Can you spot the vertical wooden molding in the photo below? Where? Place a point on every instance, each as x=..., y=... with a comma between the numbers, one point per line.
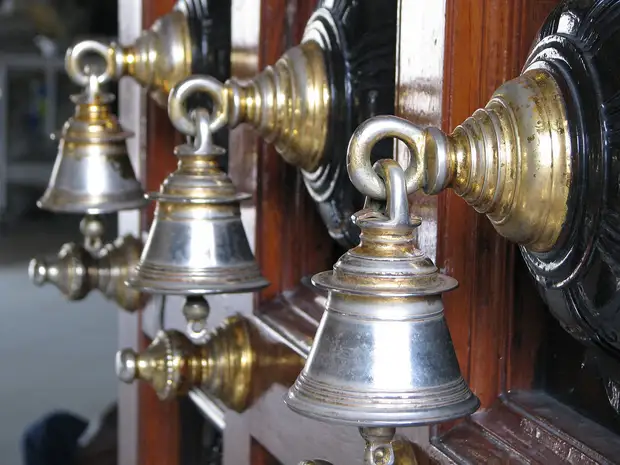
x=281, y=193
x=159, y=425
x=130, y=108
x=486, y=45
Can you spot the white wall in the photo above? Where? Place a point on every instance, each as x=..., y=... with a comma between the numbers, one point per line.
x=54, y=354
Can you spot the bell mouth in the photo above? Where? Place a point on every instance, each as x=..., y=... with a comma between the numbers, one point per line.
x=67, y=203
x=188, y=286
x=371, y=409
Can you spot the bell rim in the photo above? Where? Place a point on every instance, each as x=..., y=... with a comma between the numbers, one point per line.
x=171, y=198
x=325, y=280
x=351, y=416
x=103, y=208
x=155, y=287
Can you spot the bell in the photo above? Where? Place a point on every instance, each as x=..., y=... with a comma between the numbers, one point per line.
x=383, y=355
x=197, y=243
x=92, y=173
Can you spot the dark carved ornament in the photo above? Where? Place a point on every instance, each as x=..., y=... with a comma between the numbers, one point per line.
x=359, y=38
x=580, y=277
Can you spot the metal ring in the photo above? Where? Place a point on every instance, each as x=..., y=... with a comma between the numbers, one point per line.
x=177, y=111
x=397, y=204
x=371, y=131
x=74, y=57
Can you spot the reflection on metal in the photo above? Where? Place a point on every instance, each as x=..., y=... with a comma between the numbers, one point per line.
x=383, y=354
x=197, y=244
x=229, y=366
x=79, y=269
x=510, y=160
x=92, y=173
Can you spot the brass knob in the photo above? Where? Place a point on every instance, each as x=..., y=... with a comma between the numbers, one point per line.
x=224, y=366
x=76, y=272
x=169, y=364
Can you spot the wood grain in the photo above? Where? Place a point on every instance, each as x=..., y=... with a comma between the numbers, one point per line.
x=486, y=44
x=291, y=238
x=158, y=426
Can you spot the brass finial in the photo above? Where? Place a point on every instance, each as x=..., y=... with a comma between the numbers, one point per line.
x=228, y=366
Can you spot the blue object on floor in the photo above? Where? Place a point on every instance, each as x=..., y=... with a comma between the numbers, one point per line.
x=53, y=440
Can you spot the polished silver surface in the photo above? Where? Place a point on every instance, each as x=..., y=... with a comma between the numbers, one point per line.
x=92, y=172
x=197, y=243
x=383, y=355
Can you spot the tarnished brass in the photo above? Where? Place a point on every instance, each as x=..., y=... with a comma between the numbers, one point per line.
x=159, y=58
x=511, y=160
x=288, y=104
x=226, y=366
x=79, y=269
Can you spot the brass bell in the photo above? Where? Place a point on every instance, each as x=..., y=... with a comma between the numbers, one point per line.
x=197, y=244
x=79, y=269
x=92, y=172
x=228, y=366
x=383, y=355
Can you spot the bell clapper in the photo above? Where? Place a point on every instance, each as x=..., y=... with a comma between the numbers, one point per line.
x=196, y=312
x=92, y=228
x=379, y=449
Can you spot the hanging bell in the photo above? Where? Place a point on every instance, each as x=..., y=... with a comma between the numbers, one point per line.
x=197, y=243
x=92, y=173
x=383, y=355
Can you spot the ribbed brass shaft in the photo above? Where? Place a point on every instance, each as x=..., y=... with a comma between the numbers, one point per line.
x=512, y=160
x=288, y=104
x=160, y=57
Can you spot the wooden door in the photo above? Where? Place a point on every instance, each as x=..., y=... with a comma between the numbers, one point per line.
x=451, y=56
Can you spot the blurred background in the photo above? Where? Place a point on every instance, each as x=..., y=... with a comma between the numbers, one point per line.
x=55, y=355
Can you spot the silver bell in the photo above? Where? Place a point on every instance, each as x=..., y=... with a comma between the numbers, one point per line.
x=197, y=243
x=92, y=172
x=383, y=355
